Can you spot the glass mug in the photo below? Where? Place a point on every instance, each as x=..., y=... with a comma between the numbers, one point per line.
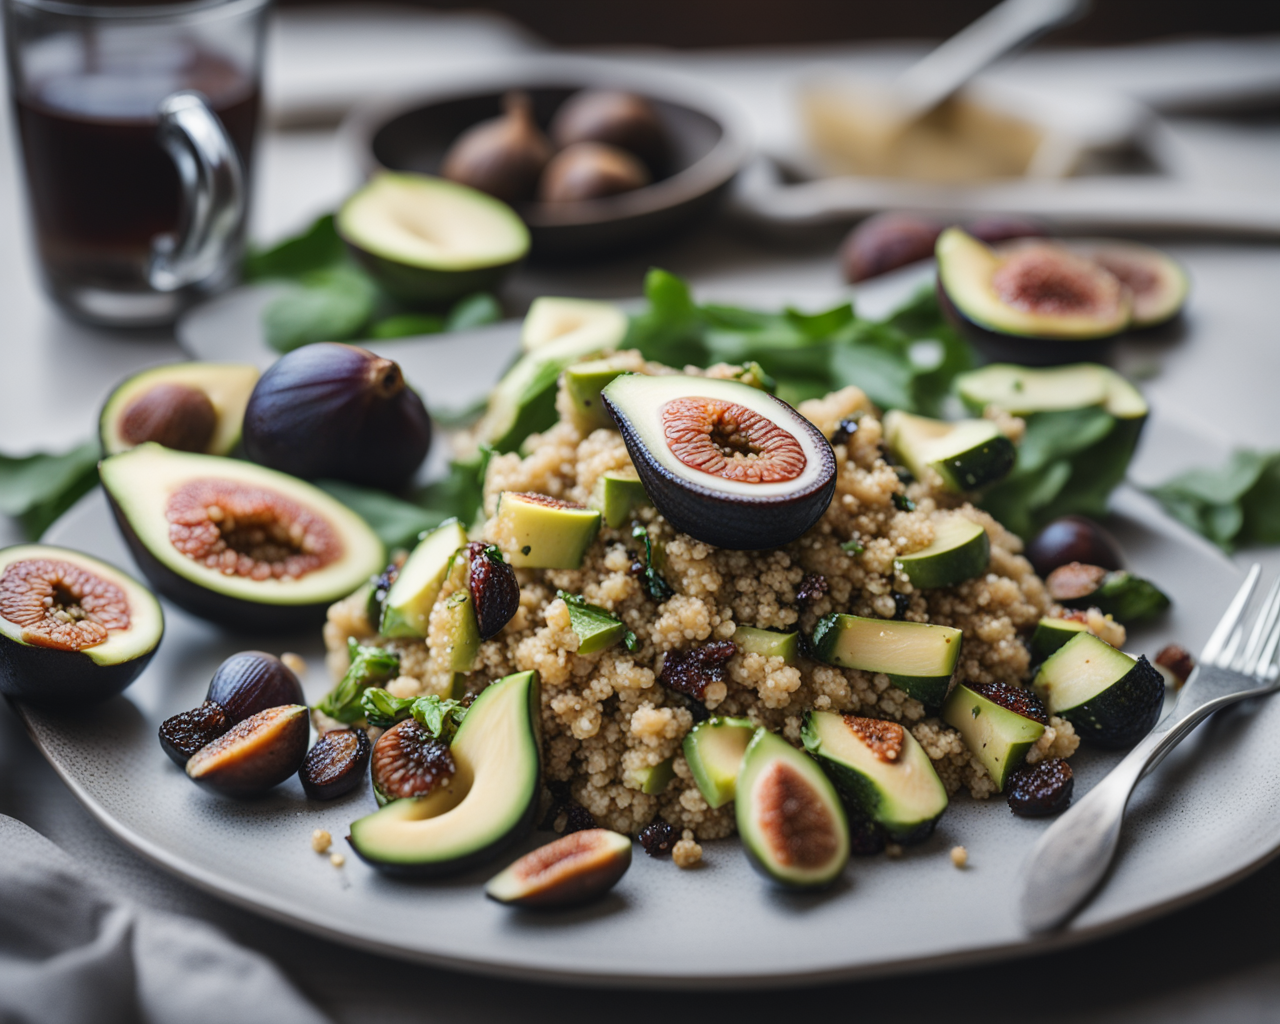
x=136, y=125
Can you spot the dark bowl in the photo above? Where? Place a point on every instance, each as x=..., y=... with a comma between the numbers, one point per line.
x=707, y=148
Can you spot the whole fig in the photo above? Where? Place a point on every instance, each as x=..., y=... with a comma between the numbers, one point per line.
x=502, y=156
x=619, y=119
x=338, y=412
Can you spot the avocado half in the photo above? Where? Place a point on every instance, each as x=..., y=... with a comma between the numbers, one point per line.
x=132, y=413
x=31, y=669
x=724, y=462
x=490, y=803
x=1032, y=303
x=162, y=498
x=428, y=240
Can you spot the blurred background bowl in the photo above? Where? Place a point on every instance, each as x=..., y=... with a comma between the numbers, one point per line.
x=707, y=148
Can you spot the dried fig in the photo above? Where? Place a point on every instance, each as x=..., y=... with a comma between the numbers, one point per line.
x=336, y=764
x=564, y=873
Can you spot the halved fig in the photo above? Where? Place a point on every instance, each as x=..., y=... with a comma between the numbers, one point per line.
x=570, y=871
x=1030, y=302
x=184, y=734
x=239, y=544
x=408, y=761
x=886, y=242
x=254, y=755
x=72, y=629
x=1158, y=282
x=1042, y=789
x=336, y=764
x=724, y=462
x=253, y=681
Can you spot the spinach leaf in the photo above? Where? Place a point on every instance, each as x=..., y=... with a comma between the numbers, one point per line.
x=1233, y=505
x=37, y=489
x=473, y=311
x=440, y=716
x=316, y=248
x=331, y=305
x=369, y=665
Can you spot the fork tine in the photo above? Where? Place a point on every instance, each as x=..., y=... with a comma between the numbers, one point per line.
x=1266, y=667
x=1247, y=661
x=1231, y=617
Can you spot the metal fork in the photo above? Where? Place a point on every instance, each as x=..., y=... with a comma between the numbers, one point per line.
x=1071, y=858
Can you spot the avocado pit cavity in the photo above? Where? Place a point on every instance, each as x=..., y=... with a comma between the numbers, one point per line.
x=730, y=441
x=60, y=605
x=249, y=531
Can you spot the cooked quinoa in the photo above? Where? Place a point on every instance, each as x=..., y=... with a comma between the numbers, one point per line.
x=606, y=717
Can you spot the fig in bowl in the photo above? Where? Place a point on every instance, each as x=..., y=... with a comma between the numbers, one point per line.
x=338, y=412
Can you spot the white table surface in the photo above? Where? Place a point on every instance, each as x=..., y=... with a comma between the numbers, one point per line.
x=1218, y=961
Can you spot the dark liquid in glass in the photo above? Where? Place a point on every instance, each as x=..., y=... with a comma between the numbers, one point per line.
x=102, y=187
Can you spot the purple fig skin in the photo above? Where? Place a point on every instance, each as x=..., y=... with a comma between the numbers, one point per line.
x=253, y=681
x=337, y=412
x=254, y=755
x=1073, y=539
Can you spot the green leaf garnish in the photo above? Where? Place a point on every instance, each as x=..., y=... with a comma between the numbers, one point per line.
x=369, y=666
x=657, y=588
x=332, y=304
x=440, y=716
x=316, y=248
x=1234, y=505
x=37, y=489
x=855, y=547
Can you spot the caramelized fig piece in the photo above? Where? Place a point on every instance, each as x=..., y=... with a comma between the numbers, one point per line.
x=691, y=672
x=590, y=170
x=1039, y=790
x=253, y=681
x=1018, y=699
x=1073, y=581
x=494, y=589
x=409, y=761
x=564, y=873
x=658, y=838
x=184, y=734
x=502, y=156
x=255, y=755
x=174, y=415
x=619, y=119
x=336, y=764
x=1178, y=660
x=886, y=242
x=1073, y=539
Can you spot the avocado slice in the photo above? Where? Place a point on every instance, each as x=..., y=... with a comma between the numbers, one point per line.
x=490, y=803
x=998, y=736
x=967, y=455
x=881, y=772
x=918, y=657
x=164, y=403
x=162, y=498
x=1112, y=699
x=428, y=240
x=790, y=819
x=714, y=749
x=769, y=643
x=654, y=779
x=1030, y=301
x=407, y=606
x=776, y=483
x=1050, y=634
x=551, y=318
x=87, y=666
x=538, y=532
x=616, y=494
x=584, y=382
x=1025, y=390
x=960, y=551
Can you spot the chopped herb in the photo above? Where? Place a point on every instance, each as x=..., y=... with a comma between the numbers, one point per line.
x=596, y=628
x=902, y=503
x=658, y=588
x=855, y=547
x=369, y=666
x=440, y=716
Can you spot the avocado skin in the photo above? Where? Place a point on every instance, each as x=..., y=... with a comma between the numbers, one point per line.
x=737, y=524
x=42, y=675
x=230, y=612
x=1124, y=712
x=999, y=347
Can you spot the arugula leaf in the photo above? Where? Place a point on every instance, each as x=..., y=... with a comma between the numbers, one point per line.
x=332, y=305
x=1233, y=505
x=369, y=665
x=439, y=716
x=318, y=247
x=473, y=311
x=36, y=489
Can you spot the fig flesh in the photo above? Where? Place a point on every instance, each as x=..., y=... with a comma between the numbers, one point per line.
x=253, y=681
x=184, y=734
x=590, y=170
x=620, y=119
x=571, y=871
x=502, y=156
x=255, y=755
x=1158, y=283
x=408, y=761
x=335, y=765
x=339, y=412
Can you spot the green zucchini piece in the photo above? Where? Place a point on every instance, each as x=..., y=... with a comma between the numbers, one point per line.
x=408, y=603
x=538, y=532
x=1052, y=633
x=881, y=773
x=918, y=657
x=1024, y=390
x=654, y=779
x=714, y=750
x=997, y=736
x=1125, y=597
x=616, y=494
x=960, y=551
x=768, y=643
x=583, y=382
x=967, y=455
x=1110, y=698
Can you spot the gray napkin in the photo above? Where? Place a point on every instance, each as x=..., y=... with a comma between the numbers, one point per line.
x=71, y=954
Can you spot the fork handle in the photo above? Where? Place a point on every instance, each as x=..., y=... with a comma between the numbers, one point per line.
x=1073, y=855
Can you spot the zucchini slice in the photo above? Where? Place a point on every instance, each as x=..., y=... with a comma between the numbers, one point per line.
x=997, y=736
x=408, y=603
x=1023, y=390
x=1051, y=634
x=918, y=657
x=714, y=750
x=960, y=551
x=766, y=642
x=967, y=455
x=1111, y=699
x=881, y=773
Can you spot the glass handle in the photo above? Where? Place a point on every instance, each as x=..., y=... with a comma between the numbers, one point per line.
x=213, y=196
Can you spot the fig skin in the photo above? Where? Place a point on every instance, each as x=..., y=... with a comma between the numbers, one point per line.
x=1005, y=227
x=502, y=156
x=254, y=756
x=886, y=242
x=338, y=412
x=184, y=734
x=568, y=872
x=336, y=764
x=620, y=119
x=494, y=589
x=174, y=415
x=253, y=681
x=590, y=170
x=1073, y=539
